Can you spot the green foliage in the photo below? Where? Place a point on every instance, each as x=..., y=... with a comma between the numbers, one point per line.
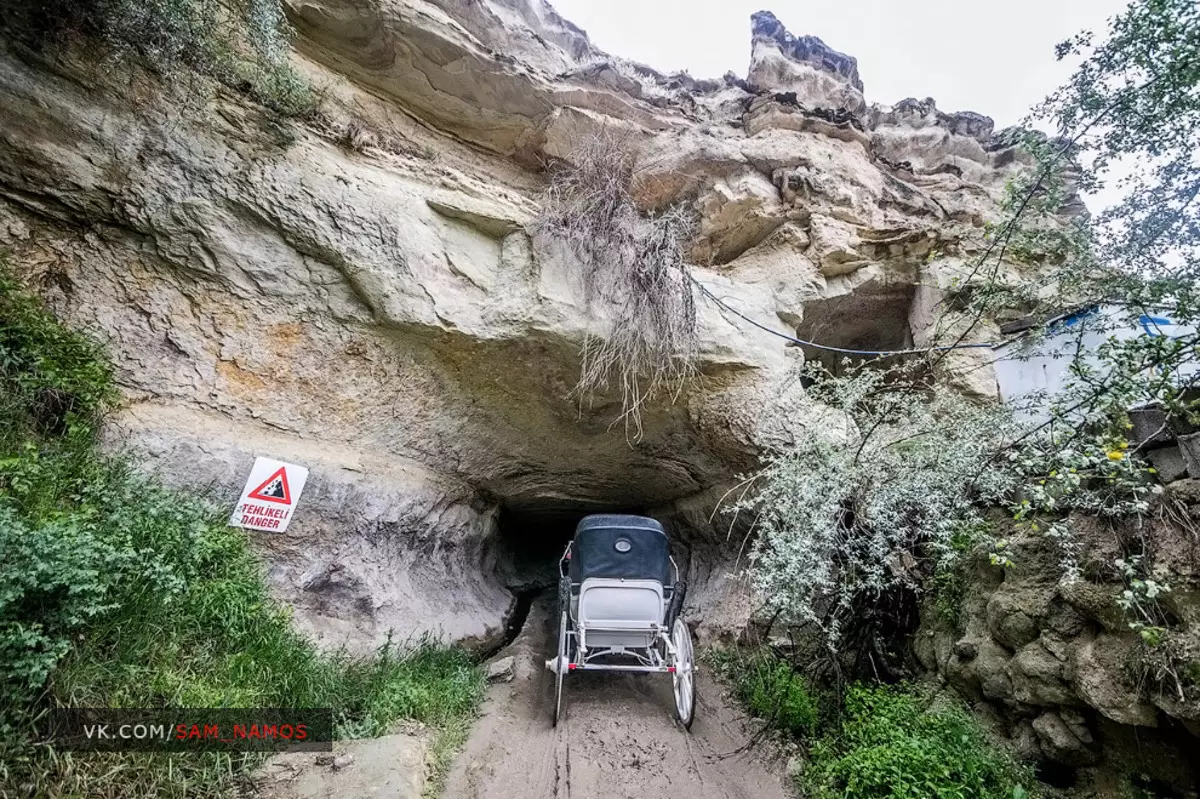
x=855, y=518
x=1132, y=109
x=950, y=590
x=54, y=382
x=1079, y=459
x=1191, y=672
x=951, y=576
x=1140, y=599
x=243, y=43
x=894, y=744
x=429, y=683
x=885, y=742
x=1128, y=120
x=115, y=591
x=770, y=689
x=426, y=682
x=852, y=518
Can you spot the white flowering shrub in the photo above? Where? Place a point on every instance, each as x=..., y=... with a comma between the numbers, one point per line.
x=857, y=519
x=853, y=522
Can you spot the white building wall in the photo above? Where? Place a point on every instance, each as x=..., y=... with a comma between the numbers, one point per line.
x=1025, y=369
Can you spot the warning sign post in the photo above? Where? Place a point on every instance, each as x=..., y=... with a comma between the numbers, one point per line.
x=271, y=493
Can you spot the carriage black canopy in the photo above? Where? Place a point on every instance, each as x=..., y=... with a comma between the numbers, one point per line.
x=617, y=545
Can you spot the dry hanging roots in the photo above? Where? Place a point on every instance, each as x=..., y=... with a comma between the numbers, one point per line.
x=634, y=272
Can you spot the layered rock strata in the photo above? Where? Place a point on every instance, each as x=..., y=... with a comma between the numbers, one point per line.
x=358, y=292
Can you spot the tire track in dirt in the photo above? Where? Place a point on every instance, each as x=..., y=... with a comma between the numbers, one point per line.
x=618, y=739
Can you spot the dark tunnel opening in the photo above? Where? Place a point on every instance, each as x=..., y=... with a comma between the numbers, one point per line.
x=530, y=541
x=1056, y=775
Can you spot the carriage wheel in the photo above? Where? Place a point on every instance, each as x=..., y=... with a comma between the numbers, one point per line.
x=560, y=666
x=685, y=674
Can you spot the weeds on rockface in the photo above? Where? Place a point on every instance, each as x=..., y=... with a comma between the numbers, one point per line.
x=1168, y=658
x=951, y=580
x=243, y=43
x=634, y=273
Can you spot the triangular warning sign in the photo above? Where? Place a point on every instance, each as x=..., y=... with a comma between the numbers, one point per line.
x=274, y=489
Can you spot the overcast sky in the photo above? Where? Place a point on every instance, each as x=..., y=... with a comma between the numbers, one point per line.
x=993, y=58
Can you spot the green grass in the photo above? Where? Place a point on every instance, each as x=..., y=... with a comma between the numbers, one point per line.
x=117, y=592
x=770, y=689
x=877, y=742
x=446, y=745
x=893, y=743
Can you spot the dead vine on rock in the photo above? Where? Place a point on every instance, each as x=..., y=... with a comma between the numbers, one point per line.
x=634, y=275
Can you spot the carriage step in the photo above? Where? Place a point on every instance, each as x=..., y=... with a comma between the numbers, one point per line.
x=553, y=663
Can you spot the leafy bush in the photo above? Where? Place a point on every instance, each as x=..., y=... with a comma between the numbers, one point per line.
x=894, y=744
x=243, y=43
x=891, y=487
x=770, y=689
x=851, y=518
x=54, y=382
x=117, y=592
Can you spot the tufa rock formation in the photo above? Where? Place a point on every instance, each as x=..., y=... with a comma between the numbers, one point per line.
x=1057, y=668
x=358, y=292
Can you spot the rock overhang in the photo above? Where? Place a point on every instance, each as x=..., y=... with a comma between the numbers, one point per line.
x=389, y=301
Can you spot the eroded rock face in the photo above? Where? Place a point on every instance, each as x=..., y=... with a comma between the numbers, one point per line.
x=1058, y=668
x=804, y=66
x=358, y=292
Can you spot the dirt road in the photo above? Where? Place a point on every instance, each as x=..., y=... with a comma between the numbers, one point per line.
x=619, y=738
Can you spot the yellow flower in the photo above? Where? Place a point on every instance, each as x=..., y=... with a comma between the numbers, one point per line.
x=1116, y=455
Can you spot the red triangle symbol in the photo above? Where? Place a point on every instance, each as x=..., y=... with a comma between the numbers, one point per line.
x=274, y=489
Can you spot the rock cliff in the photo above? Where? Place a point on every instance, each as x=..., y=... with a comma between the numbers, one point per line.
x=358, y=292
x=1057, y=668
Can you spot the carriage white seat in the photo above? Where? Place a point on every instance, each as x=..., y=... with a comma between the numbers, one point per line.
x=619, y=602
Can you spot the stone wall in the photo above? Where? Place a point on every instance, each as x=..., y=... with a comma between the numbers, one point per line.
x=1057, y=669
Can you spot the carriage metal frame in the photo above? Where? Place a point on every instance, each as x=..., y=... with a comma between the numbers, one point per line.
x=619, y=602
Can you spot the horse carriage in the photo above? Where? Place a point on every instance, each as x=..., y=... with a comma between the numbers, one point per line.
x=619, y=602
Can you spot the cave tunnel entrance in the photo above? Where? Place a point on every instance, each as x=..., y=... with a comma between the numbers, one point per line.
x=531, y=533
x=530, y=539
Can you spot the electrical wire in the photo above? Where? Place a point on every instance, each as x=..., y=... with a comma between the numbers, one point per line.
x=878, y=353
